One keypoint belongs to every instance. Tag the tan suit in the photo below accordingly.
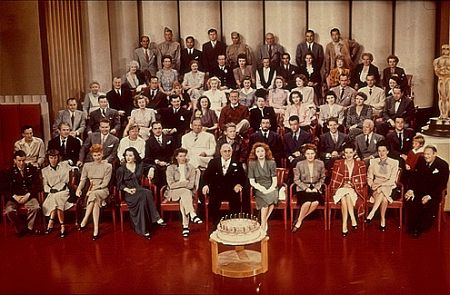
(203, 142)
(35, 151)
(376, 100)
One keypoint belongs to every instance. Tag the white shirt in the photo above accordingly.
(126, 142)
(182, 170)
(225, 165)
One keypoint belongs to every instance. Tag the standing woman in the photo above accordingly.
(141, 116)
(347, 185)
(180, 186)
(309, 176)
(98, 173)
(55, 178)
(139, 200)
(263, 178)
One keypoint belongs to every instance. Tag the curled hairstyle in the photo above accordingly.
(253, 157)
(291, 100)
(309, 146)
(137, 158)
(176, 152)
(136, 98)
(199, 106)
(53, 153)
(96, 148)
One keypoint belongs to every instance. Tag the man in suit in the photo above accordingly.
(294, 140)
(68, 146)
(188, 54)
(366, 143)
(109, 142)
(288, 70)
(269, 137)
(200, 144)
(236, 113)
(75, 118)
(425, 194)
(345, 94)
(262, 111)
(358, 79)
(399, 141)
(159, 149)
(396, 105)
(170, 48)
(332, 143)
(32, 146)
(104, 112)
(270, 50)
(237, 48)
(375, 95)
(224, 73)
(24, 186)
(147, 55)
(120, 98)
(265, 75)
(175, 120)
(156, 98)
(224, 179)
(239, 145)
(338, 46)
(309, 46)
(211, 51)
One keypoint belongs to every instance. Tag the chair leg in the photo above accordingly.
(113, 212)
(285, 218)
(401, 218)
(121, 220)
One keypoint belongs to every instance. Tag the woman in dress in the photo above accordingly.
(278, 96)
(330, 109)
(55, 178)
(142, 116)
(305, 113)
(243, 70)
(309, 177)
(307, 91)
(193, 82)
(133, 78)
(98, 173)
(247, 95)
(381, 178)
(167, 75)
(263, 178)
(216, 96)
(347, 185)
(356, 114)
(139, 200)
(208, 117)
(312, 73)
(341, 68)
(180, 186)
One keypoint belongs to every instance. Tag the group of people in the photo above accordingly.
(222, 141)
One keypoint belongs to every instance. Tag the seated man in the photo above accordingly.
(200, 144)
(332, 143)
(375, 95)
(104, 112)
(262, 111)
(132, 140)
(288, 71)
(73, 117)
(271, 138)
(24, 185)
(156, 98)
(294, 140)
(239, 145)
(175, 120)
(236, 113)
(32, 146)
(109, 142)
(425, 194)
(159, 149)
(224, 73)
(366, 143)
(399, 141)
(344, 93)
(224, 178)
(68, 146)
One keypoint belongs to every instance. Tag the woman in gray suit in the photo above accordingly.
(181, 178)
(356, 114)
(309, 176)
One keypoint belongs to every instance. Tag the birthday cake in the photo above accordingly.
(239, 229)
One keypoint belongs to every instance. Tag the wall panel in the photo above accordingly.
(155, 15)
(325, 15)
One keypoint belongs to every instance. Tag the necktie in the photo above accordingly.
(270, 51)
(103, 113)
(334, 138)
(175, 111)
(196, 137)
(72, 120)
(400, 140)
(147, 58)
(190, 51)
(159, 140)
(286, 67)
(295, 137)
(118, 91)
(342, 93)
(370, 91)
(63, 145)
(265, 134)
(367, 140)
(309, 47)
(102, 139)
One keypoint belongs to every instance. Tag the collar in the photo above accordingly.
(234, 106)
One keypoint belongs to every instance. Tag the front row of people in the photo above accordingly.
(351, 184)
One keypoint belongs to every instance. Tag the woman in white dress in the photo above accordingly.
(98, 174)
(193, 83)
(142, 116)
(55, 178)
(216, 96)
(307, 91)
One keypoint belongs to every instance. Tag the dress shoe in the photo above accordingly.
(48, 230)
(383, 228)
(63, 233)
(367, 220)
(147, 236)
(81, 228)
(185, 232)
(197, 220)
(345, 233)
(295, 228)
(96, 237)
(355, 227)
(161, 222)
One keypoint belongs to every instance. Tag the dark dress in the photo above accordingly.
(140, 204)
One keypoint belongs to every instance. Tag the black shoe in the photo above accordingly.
(383, 228)
(185, 232)
(295, 228)
(81, 228)
(63, 233)
(147, 236)
(48, 230)
(345, 233)
(355, 227)
(367, 220)
(96, 237)
(197, 220)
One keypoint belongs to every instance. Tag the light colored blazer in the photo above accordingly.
(79, 123)
(303, 178)
(384, 182)
(325, 113)
(35, 151)
(153, 55)
(377, 100)
(56, 179)
(173, 177)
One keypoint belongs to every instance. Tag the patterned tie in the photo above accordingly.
(147, 57)
(370, 91)
(270, 51)
(342, 93)
(159, 140)
(103, 113)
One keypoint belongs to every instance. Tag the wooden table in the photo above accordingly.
(239, 263)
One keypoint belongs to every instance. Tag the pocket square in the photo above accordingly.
(435, 171)
(110, 146)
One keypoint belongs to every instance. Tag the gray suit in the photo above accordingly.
(109, 147)
(275, 58)
(79, 122)
(152, 64)
(303, 179)
(348, 98)
(367, 151)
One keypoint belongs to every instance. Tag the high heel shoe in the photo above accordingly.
(96, 237)
(147, 236)
(383, 228)
(81, 228)
(367, 221)
(355, 227)
(345, 233)
(49, 229)
(294, 228)
(63, 232)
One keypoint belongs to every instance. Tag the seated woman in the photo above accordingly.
(193, 83)
(393, 82)
(341, 68)
(364, 69)
(305, 113)
(139, 200)
(98, 173)
(208, 117)
(347, 185)
(55, 178)
(180, 185)
(312, 73)
(393, 71)
(216, 96)
(330, 110)
(356, 114)
(278, 96)
(167, 75)
(133, 78)
(309, 177)
(243, 70)
(247, 95)
(307, 92)
(263, 178)
(142, 116)
(381, 177)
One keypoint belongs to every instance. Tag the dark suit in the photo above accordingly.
(225, 76)
(96, 116)
(356, 73)
(110, 147)
(239, 146)
(186, 58)
(275, 56)
(406, 110)
(122, 102)
(291, 145)
(221, 186)
(157, 100)
(273, 140)
(327, 146)
(210, 54)
(395, 149)
(427, 181)
(365, 151)
(302, 50)
(288, 74)
(399, 72)
(179, 120)
(161, 152)
(256, 115)
(72, 150)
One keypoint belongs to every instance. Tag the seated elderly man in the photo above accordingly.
(366, 143)
(75, 118)
(32, 146)
(200, 144)
(236, 113)
(132, 140)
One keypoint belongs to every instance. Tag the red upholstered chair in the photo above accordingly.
(294, 205)
(282, 204)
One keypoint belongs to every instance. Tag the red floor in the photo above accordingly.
(312, 261)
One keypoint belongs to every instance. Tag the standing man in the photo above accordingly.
(33, 147)
(211, 51)
(309, 46)
(188, 54)
(338, 46)
(236, 48)
(147, 56)
(270, 50)
(75, 118)
(171, 48)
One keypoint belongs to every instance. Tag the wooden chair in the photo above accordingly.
(282, 204)
(396, 204)
(294, 205)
